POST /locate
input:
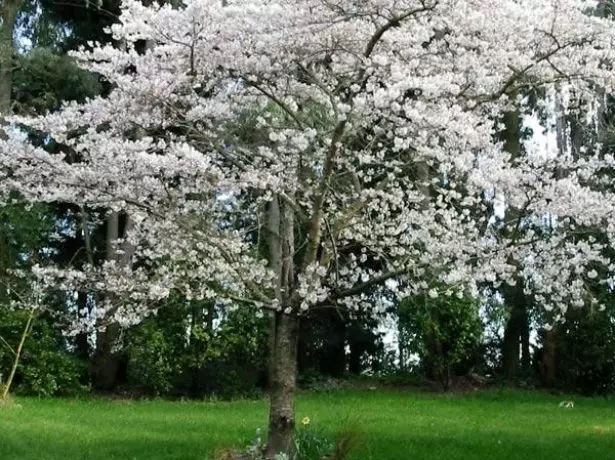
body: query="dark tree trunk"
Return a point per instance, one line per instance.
(196, 317)
(516, 355)
(446, 377)
(196, 345)
(284, 358)
(516, 346)
(510, 351)
(357, 349)
(333, 361)
(8, 13)
(82, 346)
(401, 350)
(105, 362)
(354, 361)
(282, 396)
(526, 356)
(513, 331)
(271, 347)
(433, 371)
(211, 313)
(275, 249)
(547, 361)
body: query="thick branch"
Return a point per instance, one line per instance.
(314, 233)
(394, 22)
(362, 287)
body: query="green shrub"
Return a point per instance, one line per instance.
(152, 361)
(171, 355)
(585, 352)
(445, 333)
(46, 367)
(51, 373)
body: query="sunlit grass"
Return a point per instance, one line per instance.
(394, 425)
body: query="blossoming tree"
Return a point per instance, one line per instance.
(369, 171)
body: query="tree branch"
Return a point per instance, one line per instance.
(394, 22)
(362, 287)
(314, 232)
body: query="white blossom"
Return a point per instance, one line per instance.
(375, 122)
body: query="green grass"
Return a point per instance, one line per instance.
(395, 425)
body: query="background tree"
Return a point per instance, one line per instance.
(403, 89)
(444, 334)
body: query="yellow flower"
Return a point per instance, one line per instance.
(305, 421)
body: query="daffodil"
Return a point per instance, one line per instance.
(305, 421)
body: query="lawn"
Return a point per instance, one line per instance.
(396, 425)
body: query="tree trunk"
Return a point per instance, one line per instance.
(82, 346)
(516, 346)
(105, 364)
(510, 351)
(401, 348)
(280, 226)
(106, 361)
(547, 364)
(282, 397)
(434, 360)
(333, 360)
(514, 296)
(8, 12)
(354, 361)
(274, 247)
(526, 355)
(211, 313)
(271, 348)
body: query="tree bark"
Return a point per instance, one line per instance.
(275, 262)
(271, 348)
(526, 355)
(515, 352)
(510, 351)
(105, 365)
(82, 346)
(401, 346)
(548, 362)
(211, 312)
(282, 397)
(284, 359)
(516, 332)
(106, 361)
(333, 360)
(354, 360)
(516, 347)
(8, 12)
